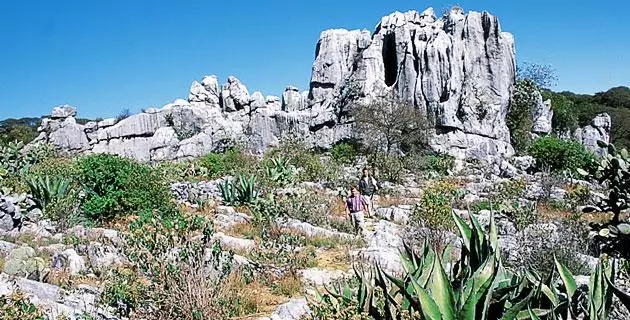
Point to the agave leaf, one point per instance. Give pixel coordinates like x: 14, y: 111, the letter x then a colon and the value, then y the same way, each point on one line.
x: 464, y: 229
x: 429, y: 308
x: 442, y: 292
x: 567, y: 278
x: 621, y: 295
x: 602, y: 144
x: 517, y: 307
x: 476, y: 288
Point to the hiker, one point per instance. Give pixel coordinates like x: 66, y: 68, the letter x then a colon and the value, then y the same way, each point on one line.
x: 367, y: 187
x: 355, y: 208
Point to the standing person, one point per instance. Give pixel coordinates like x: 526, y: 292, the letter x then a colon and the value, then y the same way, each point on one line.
x: 355, y: 208
x: 367, y: 186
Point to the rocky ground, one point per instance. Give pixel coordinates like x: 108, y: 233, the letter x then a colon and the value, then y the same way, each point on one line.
x: 62, y: 272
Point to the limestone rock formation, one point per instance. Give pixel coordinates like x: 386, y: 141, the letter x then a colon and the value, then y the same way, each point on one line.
x: 541, y: 115
x: 211, y: 119
x: 598, y: 129
x: 458, y: 69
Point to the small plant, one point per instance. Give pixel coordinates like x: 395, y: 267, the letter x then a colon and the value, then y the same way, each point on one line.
x: 47, y: 189
x: 431, y: 217
x: 124, y: 114
x: 278, y: 171
x: 17, y: 306
x: 242, y: 191
x: 344, y: 153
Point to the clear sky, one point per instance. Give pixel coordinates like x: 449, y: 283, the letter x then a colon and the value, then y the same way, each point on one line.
x: 104, y: 56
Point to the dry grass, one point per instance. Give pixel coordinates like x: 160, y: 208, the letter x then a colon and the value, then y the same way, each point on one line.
x: 261, y: 300
x: 287, y: 286
x: 243, y: 230
x: 338, y: 208
x: 334, y: 259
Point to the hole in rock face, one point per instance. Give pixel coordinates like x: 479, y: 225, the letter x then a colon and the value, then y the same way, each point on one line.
x: 390, y: 59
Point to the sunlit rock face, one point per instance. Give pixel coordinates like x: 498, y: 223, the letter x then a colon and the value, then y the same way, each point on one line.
x: 459, y: 69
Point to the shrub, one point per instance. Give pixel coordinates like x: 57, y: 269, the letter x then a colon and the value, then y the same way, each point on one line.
x: 115, y: 186
x: 519, y: 118
x: 344, y: 153
x: 17, y: 306
x: 431, y: 217
x: 539, y: 244
x: 387, y: 167
x: 232, y: 162
x: 214, y: 164
x: 561, y: 155
x: 440, y: 163
x: 181, y: 272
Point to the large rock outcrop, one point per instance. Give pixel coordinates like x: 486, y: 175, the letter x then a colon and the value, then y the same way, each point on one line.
x: 212, y: 119
x: 458, y: 69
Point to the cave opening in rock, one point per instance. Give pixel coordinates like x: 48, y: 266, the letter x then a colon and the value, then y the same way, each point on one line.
x: 390, y: 59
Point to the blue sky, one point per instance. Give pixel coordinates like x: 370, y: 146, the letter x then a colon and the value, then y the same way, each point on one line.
x: 106, y: 56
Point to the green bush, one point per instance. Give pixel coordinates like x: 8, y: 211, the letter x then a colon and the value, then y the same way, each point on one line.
x: 561, y: 155
x: 116, y: 186
x: 232, y: 162
x: 344, y: 153
x: 440, y: 163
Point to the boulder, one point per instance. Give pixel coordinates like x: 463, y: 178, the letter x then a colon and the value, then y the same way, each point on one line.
x: 234, y: 95
x: 292, y: 99
x: 69, y: 137
x: 598, y: 129
x: 63, y: 111
x: 541, y: 115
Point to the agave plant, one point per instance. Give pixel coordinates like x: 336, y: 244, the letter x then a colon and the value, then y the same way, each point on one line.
x: 475, y: 286
x: 244, y: 190
x: 46, y: 189
x: 278, y: 171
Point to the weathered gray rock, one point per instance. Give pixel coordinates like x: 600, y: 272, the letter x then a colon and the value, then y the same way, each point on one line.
x: 541, y: 115
x: 138, y: 125
x: 69, y: 137
x: 398, y: 214
x: 58, y: 303
x: 320, y: 277
x: 63, y: 111
x: 598, y: 129
x: 459, y: 70
x: 292, y: 99
x: 257, y: 101
x: 234, y: 95
x: 295, y: 309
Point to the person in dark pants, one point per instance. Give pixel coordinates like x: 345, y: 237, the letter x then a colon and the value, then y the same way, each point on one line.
x: 367, y: 187
x: 356, y: 206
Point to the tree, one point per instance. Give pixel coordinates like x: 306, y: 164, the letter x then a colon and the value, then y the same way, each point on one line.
x: 543, y: 75
x: 617, y: 97
x: 389, y: 125
x: 519, y: 118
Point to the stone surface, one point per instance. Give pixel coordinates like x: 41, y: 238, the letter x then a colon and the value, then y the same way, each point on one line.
x: 295, y: 309
x: 598, y: 129
x: 459, y: 70
x: 63, y: 111
x: 541, y: 115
